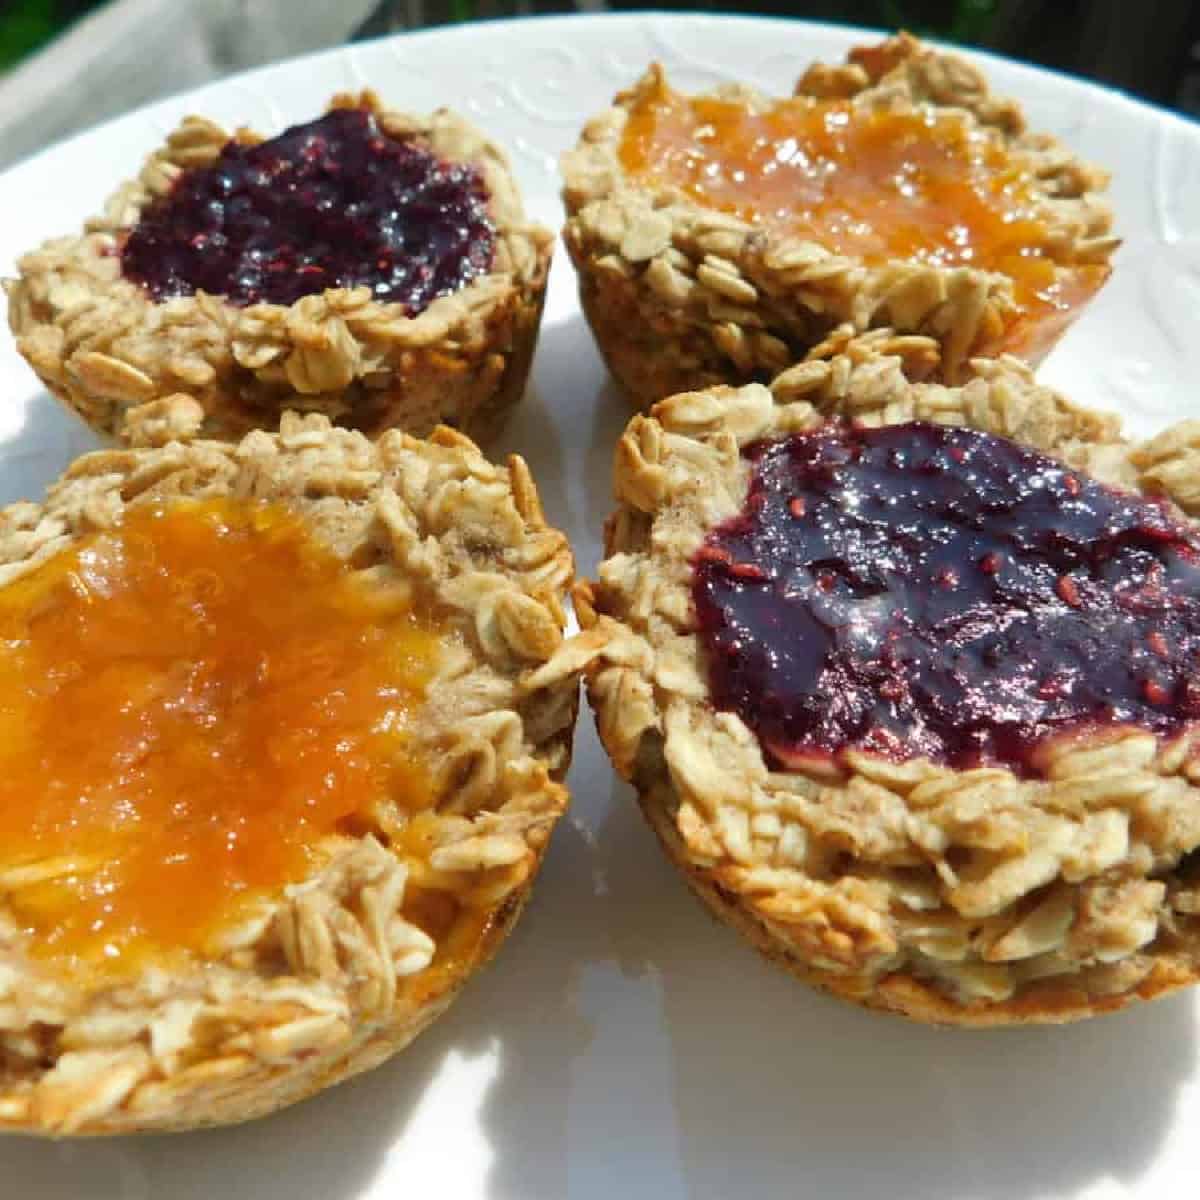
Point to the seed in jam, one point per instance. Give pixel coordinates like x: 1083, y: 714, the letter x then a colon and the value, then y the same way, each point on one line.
x: 336, y: 203
x: 189, y: 704
x: 878, y: 185
x: 947, y: 593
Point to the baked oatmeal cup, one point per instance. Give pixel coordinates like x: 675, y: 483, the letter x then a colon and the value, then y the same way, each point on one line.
x: 373, y: 266
x: 719, y: 237
x: 904, y: 677
x: 280, y: 753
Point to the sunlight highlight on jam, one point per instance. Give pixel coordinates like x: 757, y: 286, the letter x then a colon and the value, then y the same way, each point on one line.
x: 927, y: 590
x: 877, y: 186
x: 189, y: 704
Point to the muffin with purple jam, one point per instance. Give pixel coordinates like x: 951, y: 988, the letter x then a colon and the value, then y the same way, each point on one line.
x: 372, y: 266
x: 906, y: 679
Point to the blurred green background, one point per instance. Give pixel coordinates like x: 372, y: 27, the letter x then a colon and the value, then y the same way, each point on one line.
x: 26, y: 25
x: 1152, y: 49
x: 117, y: 54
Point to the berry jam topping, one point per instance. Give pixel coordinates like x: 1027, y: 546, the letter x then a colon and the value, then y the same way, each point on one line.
x: 334, y: 203
x: 921, y: 590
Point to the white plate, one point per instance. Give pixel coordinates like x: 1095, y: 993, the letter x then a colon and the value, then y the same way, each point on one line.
x: 623, y: 1044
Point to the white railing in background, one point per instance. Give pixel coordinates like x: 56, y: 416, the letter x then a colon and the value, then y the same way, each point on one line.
x: 132, y: 51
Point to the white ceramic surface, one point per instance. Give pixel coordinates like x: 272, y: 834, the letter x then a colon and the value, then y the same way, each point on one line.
x: 623, y: 1044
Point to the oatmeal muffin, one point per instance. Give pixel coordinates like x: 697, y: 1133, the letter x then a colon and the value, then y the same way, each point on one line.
x: 372, y: 266
x: 280, y: 753
x: 904, y: 676
x: 719, y: 237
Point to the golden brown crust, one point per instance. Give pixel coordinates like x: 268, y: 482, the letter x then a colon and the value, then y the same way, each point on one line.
x: 681, y: 297
x: 1046, y: 1003
x: 335, y: 974
x: 359, y: 1056
x: 970, y: 897
x: 102, y: 346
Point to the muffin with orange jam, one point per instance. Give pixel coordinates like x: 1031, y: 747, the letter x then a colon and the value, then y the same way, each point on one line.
x: 719, y: 237
x: 371, y: 265
x: 279, y: 758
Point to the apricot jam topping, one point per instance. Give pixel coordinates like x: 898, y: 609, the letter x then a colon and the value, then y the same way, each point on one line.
x: 189, y: 704
x: 923, y: 590
x: 880, y: 185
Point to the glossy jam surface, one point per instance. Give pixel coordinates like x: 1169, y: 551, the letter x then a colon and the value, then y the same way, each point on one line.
x: 334, y: 203
x: 188, y: 704
x: 877, y: 186
x: 921, y: 590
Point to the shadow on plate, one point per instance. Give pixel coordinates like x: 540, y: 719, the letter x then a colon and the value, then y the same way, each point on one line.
x: 566, y: 428
x: 611, y: 413
x: 39, y: 450
x: 828, y: 1100
x: 531, y: 432
x: 325, y: 1148
x: 333, y: 1146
